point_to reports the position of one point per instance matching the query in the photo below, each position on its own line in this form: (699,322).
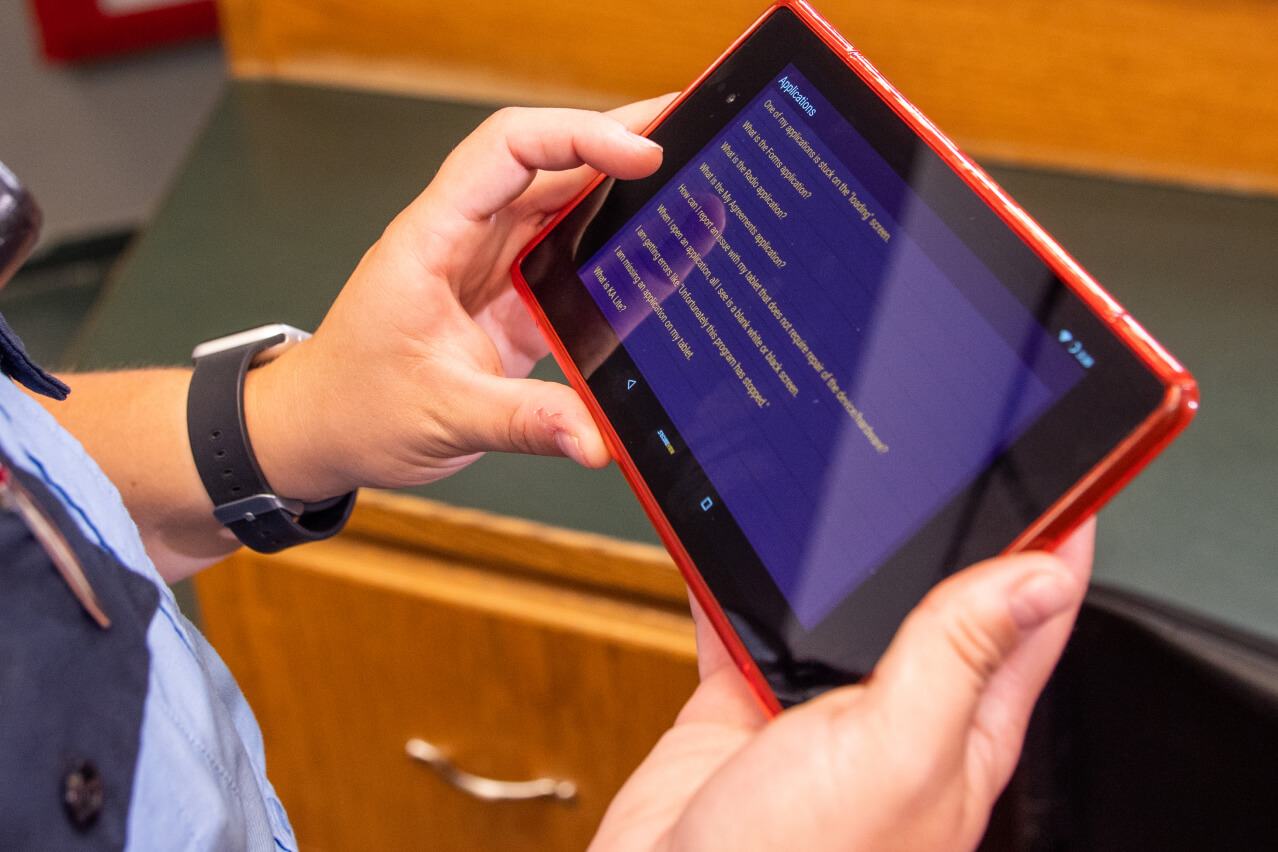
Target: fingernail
(1042,597)
(644,141)
(569,446)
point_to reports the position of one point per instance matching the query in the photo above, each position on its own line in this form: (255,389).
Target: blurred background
(208,167)
(1143,135)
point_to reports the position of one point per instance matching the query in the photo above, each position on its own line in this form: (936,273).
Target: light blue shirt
(200,779)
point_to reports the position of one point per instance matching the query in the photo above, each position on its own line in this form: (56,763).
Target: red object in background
(73,30)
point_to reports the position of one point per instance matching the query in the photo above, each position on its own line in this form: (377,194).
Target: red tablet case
(1179,403)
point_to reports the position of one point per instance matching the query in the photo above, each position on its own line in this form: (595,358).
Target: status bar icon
(669,446)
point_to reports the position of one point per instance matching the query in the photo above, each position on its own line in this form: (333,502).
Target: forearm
(133,424)
(418,366)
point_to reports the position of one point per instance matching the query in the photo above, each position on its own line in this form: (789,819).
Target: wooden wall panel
(1170,89)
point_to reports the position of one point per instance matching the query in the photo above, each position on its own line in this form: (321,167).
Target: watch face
(291,337)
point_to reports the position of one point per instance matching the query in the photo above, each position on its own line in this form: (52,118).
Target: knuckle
(523,432)
(980,643)
(503,118)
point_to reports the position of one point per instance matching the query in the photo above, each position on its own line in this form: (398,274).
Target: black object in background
(1159,731)
(19,224)
(19,227)
(50,297)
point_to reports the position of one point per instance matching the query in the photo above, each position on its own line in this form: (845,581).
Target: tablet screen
(838,372)
(837,382)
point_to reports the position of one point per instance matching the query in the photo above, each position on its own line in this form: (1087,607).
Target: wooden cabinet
(521,651)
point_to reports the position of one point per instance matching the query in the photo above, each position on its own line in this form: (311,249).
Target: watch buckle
(250,508)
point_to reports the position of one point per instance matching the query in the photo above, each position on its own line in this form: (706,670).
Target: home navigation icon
(630,383)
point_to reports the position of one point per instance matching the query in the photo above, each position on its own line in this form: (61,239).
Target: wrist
(287,426)
(235,475)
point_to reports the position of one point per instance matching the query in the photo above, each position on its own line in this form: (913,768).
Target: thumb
(531,416)
(939,669)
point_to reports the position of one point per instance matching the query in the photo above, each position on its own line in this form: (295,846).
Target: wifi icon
(1065,336)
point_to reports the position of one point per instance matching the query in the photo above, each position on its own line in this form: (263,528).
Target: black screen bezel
(1022,484)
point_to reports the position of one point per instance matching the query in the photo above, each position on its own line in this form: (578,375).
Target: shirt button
(82,794)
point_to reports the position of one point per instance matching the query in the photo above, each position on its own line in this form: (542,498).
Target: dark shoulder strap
(71,692)
(17,365)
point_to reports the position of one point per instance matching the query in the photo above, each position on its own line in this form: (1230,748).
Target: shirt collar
(17,365)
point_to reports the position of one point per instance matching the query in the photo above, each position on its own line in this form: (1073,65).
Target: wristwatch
(242,499)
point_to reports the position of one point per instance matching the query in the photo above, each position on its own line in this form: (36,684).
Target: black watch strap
(242,499)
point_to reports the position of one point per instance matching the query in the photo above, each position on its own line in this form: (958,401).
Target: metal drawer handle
(488,789)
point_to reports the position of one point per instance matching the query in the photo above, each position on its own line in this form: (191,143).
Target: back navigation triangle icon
(630,383)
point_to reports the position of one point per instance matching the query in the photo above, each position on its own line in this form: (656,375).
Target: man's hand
(417,369)
(419,366)
(912,760)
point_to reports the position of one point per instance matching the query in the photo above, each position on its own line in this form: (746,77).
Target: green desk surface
(290,184)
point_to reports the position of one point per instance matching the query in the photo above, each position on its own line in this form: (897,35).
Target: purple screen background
(941,387)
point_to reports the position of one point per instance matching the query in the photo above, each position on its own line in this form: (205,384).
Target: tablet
(833,359)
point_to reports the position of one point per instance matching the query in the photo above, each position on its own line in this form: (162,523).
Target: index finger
(552,190)
(638,115)
(724,696)
(712,654)
(495,164)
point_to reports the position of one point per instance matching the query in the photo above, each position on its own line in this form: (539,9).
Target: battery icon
(669,446)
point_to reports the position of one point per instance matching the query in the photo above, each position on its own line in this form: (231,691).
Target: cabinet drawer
(350,648)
